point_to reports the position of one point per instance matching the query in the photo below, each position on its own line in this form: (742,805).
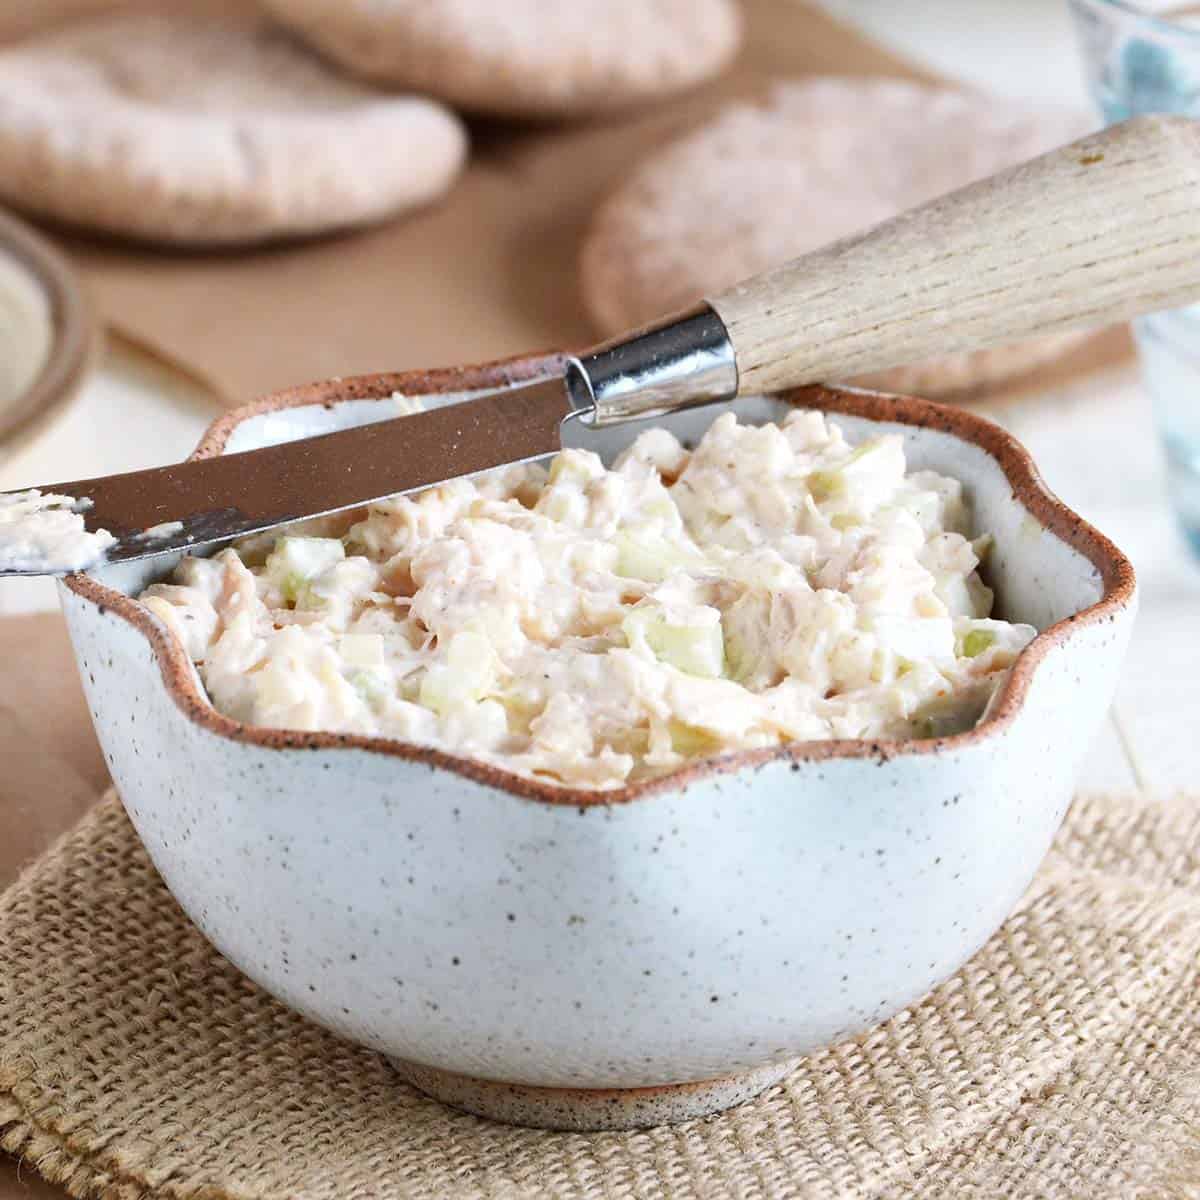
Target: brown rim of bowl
(76,333)
(1115,571)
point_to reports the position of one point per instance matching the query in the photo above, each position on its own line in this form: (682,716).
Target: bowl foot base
(584,1109)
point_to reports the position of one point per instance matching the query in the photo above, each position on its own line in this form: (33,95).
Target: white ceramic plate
(47,331)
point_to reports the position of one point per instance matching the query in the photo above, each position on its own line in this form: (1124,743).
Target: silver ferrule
(661,369)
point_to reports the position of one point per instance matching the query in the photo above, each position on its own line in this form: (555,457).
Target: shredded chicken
(590,626)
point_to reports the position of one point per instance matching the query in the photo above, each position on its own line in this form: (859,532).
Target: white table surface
(1094,442)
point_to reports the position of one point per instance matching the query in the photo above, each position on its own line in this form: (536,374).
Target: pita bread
(524,57)
(818,160)
(184,128)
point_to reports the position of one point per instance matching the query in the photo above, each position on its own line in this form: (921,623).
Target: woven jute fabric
(1062,1061)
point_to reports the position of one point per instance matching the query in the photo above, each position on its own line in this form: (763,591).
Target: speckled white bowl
(588,960)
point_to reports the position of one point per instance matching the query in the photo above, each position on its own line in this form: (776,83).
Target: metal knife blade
(233,495)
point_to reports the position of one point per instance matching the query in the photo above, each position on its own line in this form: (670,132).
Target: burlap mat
(1063,1061)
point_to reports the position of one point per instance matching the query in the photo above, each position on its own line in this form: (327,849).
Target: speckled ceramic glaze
(571,958)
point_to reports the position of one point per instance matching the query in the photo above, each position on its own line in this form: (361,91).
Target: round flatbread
(817,161)
(189,129)
(534,58)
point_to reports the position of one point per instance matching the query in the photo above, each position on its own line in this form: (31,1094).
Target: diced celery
(835,481)
(698,651)
(471,652)
(652,558)
(825,484)
(296,560)
(465,675)
(336,591)
(976,642)
(500,628)
(695,646)
(441,690)
(371,684)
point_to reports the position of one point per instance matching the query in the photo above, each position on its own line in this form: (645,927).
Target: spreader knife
(1098,231)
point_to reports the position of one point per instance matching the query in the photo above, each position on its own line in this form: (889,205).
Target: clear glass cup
(1145,58)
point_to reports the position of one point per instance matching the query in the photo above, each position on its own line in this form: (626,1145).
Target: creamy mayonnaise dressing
(591,626)
(44,532)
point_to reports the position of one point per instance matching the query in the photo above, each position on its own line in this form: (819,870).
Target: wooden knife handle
(1094,232)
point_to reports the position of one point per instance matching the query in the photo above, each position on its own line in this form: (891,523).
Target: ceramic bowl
(607,959)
